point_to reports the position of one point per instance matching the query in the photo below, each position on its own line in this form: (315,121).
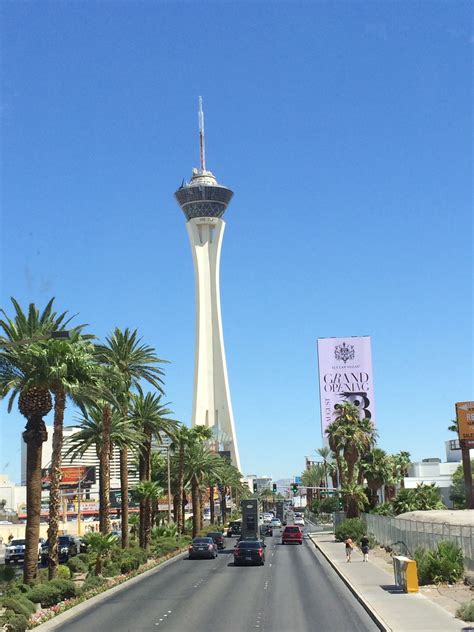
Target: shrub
(45,594)
(128,563)
(19,604)
(329,504)
(92,582)
(384,509)
(67,588)
(351,528)
(138,554)
(64,572)
(7,573)
(466,611)
(84,557)
(444,565)
(77,566)
(168,529)
(13,622)
(111,569)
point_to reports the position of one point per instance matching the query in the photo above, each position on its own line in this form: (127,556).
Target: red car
(292,534)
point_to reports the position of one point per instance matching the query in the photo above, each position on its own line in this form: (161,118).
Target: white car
(15,551)
(299,522)
(276,522)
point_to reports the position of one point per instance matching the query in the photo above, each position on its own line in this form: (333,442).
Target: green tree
(24,376)
(135,362)
(422,498)
(102,544)
(457,491)
(377,468)
(350,438)
(146,492)
(151,417)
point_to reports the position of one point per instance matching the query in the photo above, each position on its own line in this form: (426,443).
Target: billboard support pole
(466,465)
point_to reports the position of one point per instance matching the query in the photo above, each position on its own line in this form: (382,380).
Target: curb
(73,612)
(379,622)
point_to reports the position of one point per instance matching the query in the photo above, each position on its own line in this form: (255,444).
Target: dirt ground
(449,597)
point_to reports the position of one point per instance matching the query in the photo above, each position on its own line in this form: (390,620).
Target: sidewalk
(394,610)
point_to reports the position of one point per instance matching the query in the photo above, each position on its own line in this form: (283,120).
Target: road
(296,591)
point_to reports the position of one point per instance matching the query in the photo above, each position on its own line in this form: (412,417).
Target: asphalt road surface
(296,591)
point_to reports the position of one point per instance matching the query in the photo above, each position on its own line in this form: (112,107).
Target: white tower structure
(204,202)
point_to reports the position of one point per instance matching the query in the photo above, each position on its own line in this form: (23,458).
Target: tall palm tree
(149,416)
(325,453)
(146,491)
(135,361)
(350,438)
(402,460)
(313,477)
(24,375)
(200,464)
(377,469)
(102,427)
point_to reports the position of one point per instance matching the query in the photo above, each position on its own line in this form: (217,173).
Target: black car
(234,528)
(249,552)
(202,547)
(266,530)
(67,548)
(218,538)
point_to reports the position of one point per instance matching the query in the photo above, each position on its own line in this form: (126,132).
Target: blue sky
(345,130)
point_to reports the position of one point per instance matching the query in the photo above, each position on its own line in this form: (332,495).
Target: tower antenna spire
(202,146)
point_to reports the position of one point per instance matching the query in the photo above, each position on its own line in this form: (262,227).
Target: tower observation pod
(204,201)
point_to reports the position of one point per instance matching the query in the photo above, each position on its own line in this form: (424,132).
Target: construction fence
(405,536)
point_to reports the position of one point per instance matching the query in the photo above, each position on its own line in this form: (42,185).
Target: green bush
(167,530)
(111,569)
(19,604)
(444,565)
(7,573)
(64,572)
(45,594)
(138,554)
(84,557)
(352,528)
(13,622)
(384,509)
(128,563)
(76,565)
(466,611)
(329,504)
(67,588)
(92,582)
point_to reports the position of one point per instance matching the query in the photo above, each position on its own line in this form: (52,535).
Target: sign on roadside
(465,419)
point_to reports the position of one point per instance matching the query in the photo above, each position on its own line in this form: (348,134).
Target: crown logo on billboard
(344,352)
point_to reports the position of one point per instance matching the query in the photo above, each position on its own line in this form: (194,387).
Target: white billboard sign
(345,375)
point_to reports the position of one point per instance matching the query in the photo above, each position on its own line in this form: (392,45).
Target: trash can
(406,575)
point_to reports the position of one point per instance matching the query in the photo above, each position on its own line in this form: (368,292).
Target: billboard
(465,419)
(345,375)
(71,476)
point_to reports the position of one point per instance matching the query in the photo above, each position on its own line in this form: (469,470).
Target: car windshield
(202,541)
(215,535)
(249,545)
(63,539)
(17,542)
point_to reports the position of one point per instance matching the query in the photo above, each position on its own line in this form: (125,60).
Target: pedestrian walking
(364,545)
(349,546)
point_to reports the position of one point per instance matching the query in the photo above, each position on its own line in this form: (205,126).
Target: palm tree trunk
(176,505)
(223,489)
(124,493)
(201,510)
(34,436)
(184,502)
(55,482)
(147,525)
(180,516)
(104,473)
(141,476)
(211,503)
(196,506)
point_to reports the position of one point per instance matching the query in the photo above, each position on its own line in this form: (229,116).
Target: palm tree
(350,438)
(101,544)
(135,362)
(24,375)
(377,469)
(149,416)
(102,428)
(325,453)
(313,477)
(200,464)
(69,366)
(402,461)
(146,492)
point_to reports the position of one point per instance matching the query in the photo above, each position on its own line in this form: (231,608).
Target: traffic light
(255,487)
(294,488)
(274,488)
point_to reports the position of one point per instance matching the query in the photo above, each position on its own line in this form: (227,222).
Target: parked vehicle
(292,534)
(249,552)
(15,551)
(234,528)
(67,548)
(218,538)
(203,548)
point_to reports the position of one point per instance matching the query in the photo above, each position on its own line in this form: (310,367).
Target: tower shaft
(211,399)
